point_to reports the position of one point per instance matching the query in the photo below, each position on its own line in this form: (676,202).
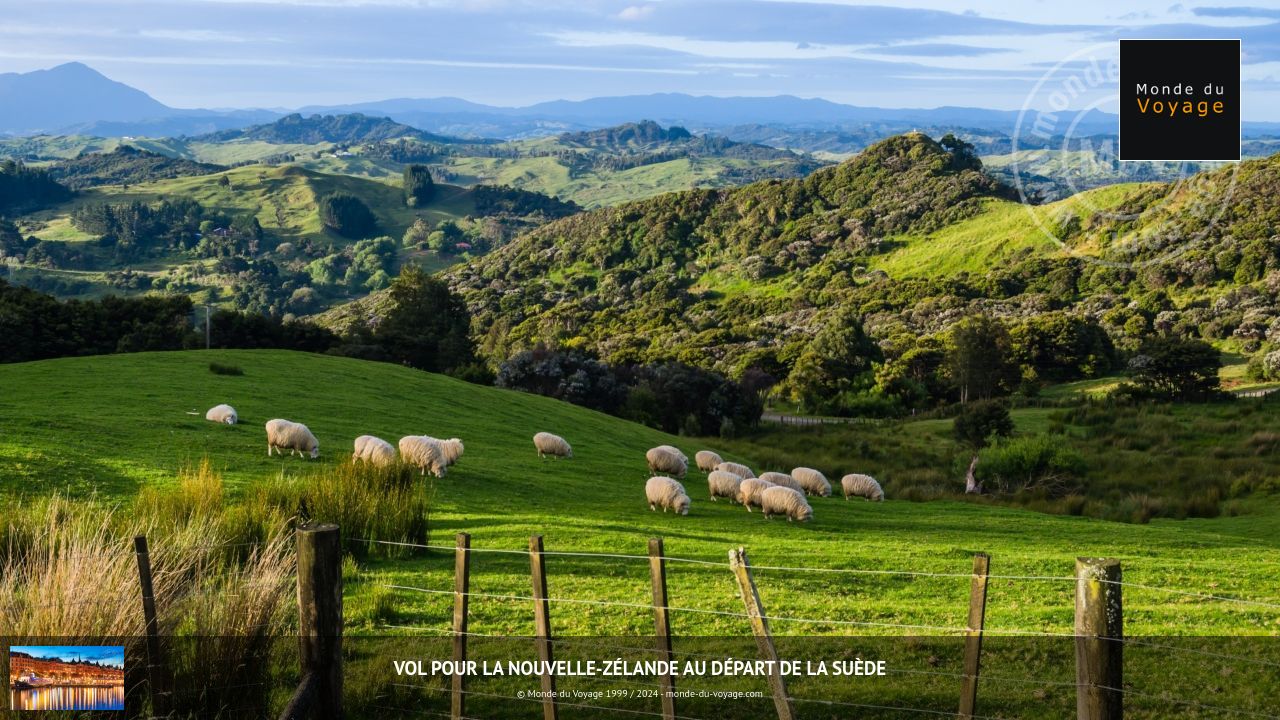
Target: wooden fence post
(973,635)
(542,627)
(461,588)
(662,625)
(760,627)
(320,617)
(1099,640)
(155,660)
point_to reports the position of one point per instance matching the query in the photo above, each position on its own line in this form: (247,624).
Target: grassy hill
(107,426)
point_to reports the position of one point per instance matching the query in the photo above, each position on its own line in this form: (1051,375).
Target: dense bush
(24,189)
(347,215)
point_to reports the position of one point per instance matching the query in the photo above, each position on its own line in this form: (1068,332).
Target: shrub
(347,215)
(1034,463)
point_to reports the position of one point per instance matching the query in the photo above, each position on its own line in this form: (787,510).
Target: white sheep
(863,486)
(738,469)
(783,479)
(666,493)
(749,492)
(222,414)
(723,484)
(295,437)
(785,501)
(666,459)
(552,445)
(707,460)
(424,453)
(373,450)
(813,482)
(452,450)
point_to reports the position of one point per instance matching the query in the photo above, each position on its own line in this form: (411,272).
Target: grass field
(104,427)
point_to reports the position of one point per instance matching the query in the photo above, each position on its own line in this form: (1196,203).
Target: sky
(903,53)
(101,654)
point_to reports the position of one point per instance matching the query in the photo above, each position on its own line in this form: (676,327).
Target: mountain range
(73,98)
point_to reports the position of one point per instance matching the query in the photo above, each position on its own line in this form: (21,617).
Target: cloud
(1238,11)
(937,50)
(635,12)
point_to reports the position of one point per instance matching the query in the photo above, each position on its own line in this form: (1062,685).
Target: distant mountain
(628,135)
(126,165)
(67,95)
(189,122)
(348,128)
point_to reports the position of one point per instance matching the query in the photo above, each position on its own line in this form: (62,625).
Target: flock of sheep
(775,493)
(426,453)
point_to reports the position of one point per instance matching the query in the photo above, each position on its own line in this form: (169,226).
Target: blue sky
(909,53)
(102,654)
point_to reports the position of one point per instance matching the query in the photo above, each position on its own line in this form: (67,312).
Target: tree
(839,353)
(418,186)
(427,326)
(1174,368)
(347,215)
(974,427)
(980,358)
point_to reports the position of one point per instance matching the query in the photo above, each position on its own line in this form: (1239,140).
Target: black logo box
(1186,65)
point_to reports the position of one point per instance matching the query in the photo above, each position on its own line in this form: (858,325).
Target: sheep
(452,450)
(738,469)
(707,460)
(783,479)
(295,437)
(723,484)
(373,450)
(813,482)
(785,501)
(863,486)
(666,493)
(552,445)
(749,491)
(222,414)
(663,459)
(424,453)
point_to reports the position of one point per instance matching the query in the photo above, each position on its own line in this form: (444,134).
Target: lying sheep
(424,453)
(295,437)
(738,469)
(452,450)
(785,501)
(666,459)
(663,492)
(813,482)
(707,460)
(222,414)
(373,450)
(749,492)
(863,486)
(723,484)
(552,445)
(783,479)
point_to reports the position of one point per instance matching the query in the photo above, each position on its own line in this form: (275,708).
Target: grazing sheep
(785,501)
(813,482)
(424,453)
(738,469)
(707,460)
(668,494)
(452,450)
(666,459)
(295,437)
(749,492)
(373,450)
(723,484)
(222,414)
(783,479)
(552,445)
(863,486)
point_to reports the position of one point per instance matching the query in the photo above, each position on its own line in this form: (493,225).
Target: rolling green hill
(106,426)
